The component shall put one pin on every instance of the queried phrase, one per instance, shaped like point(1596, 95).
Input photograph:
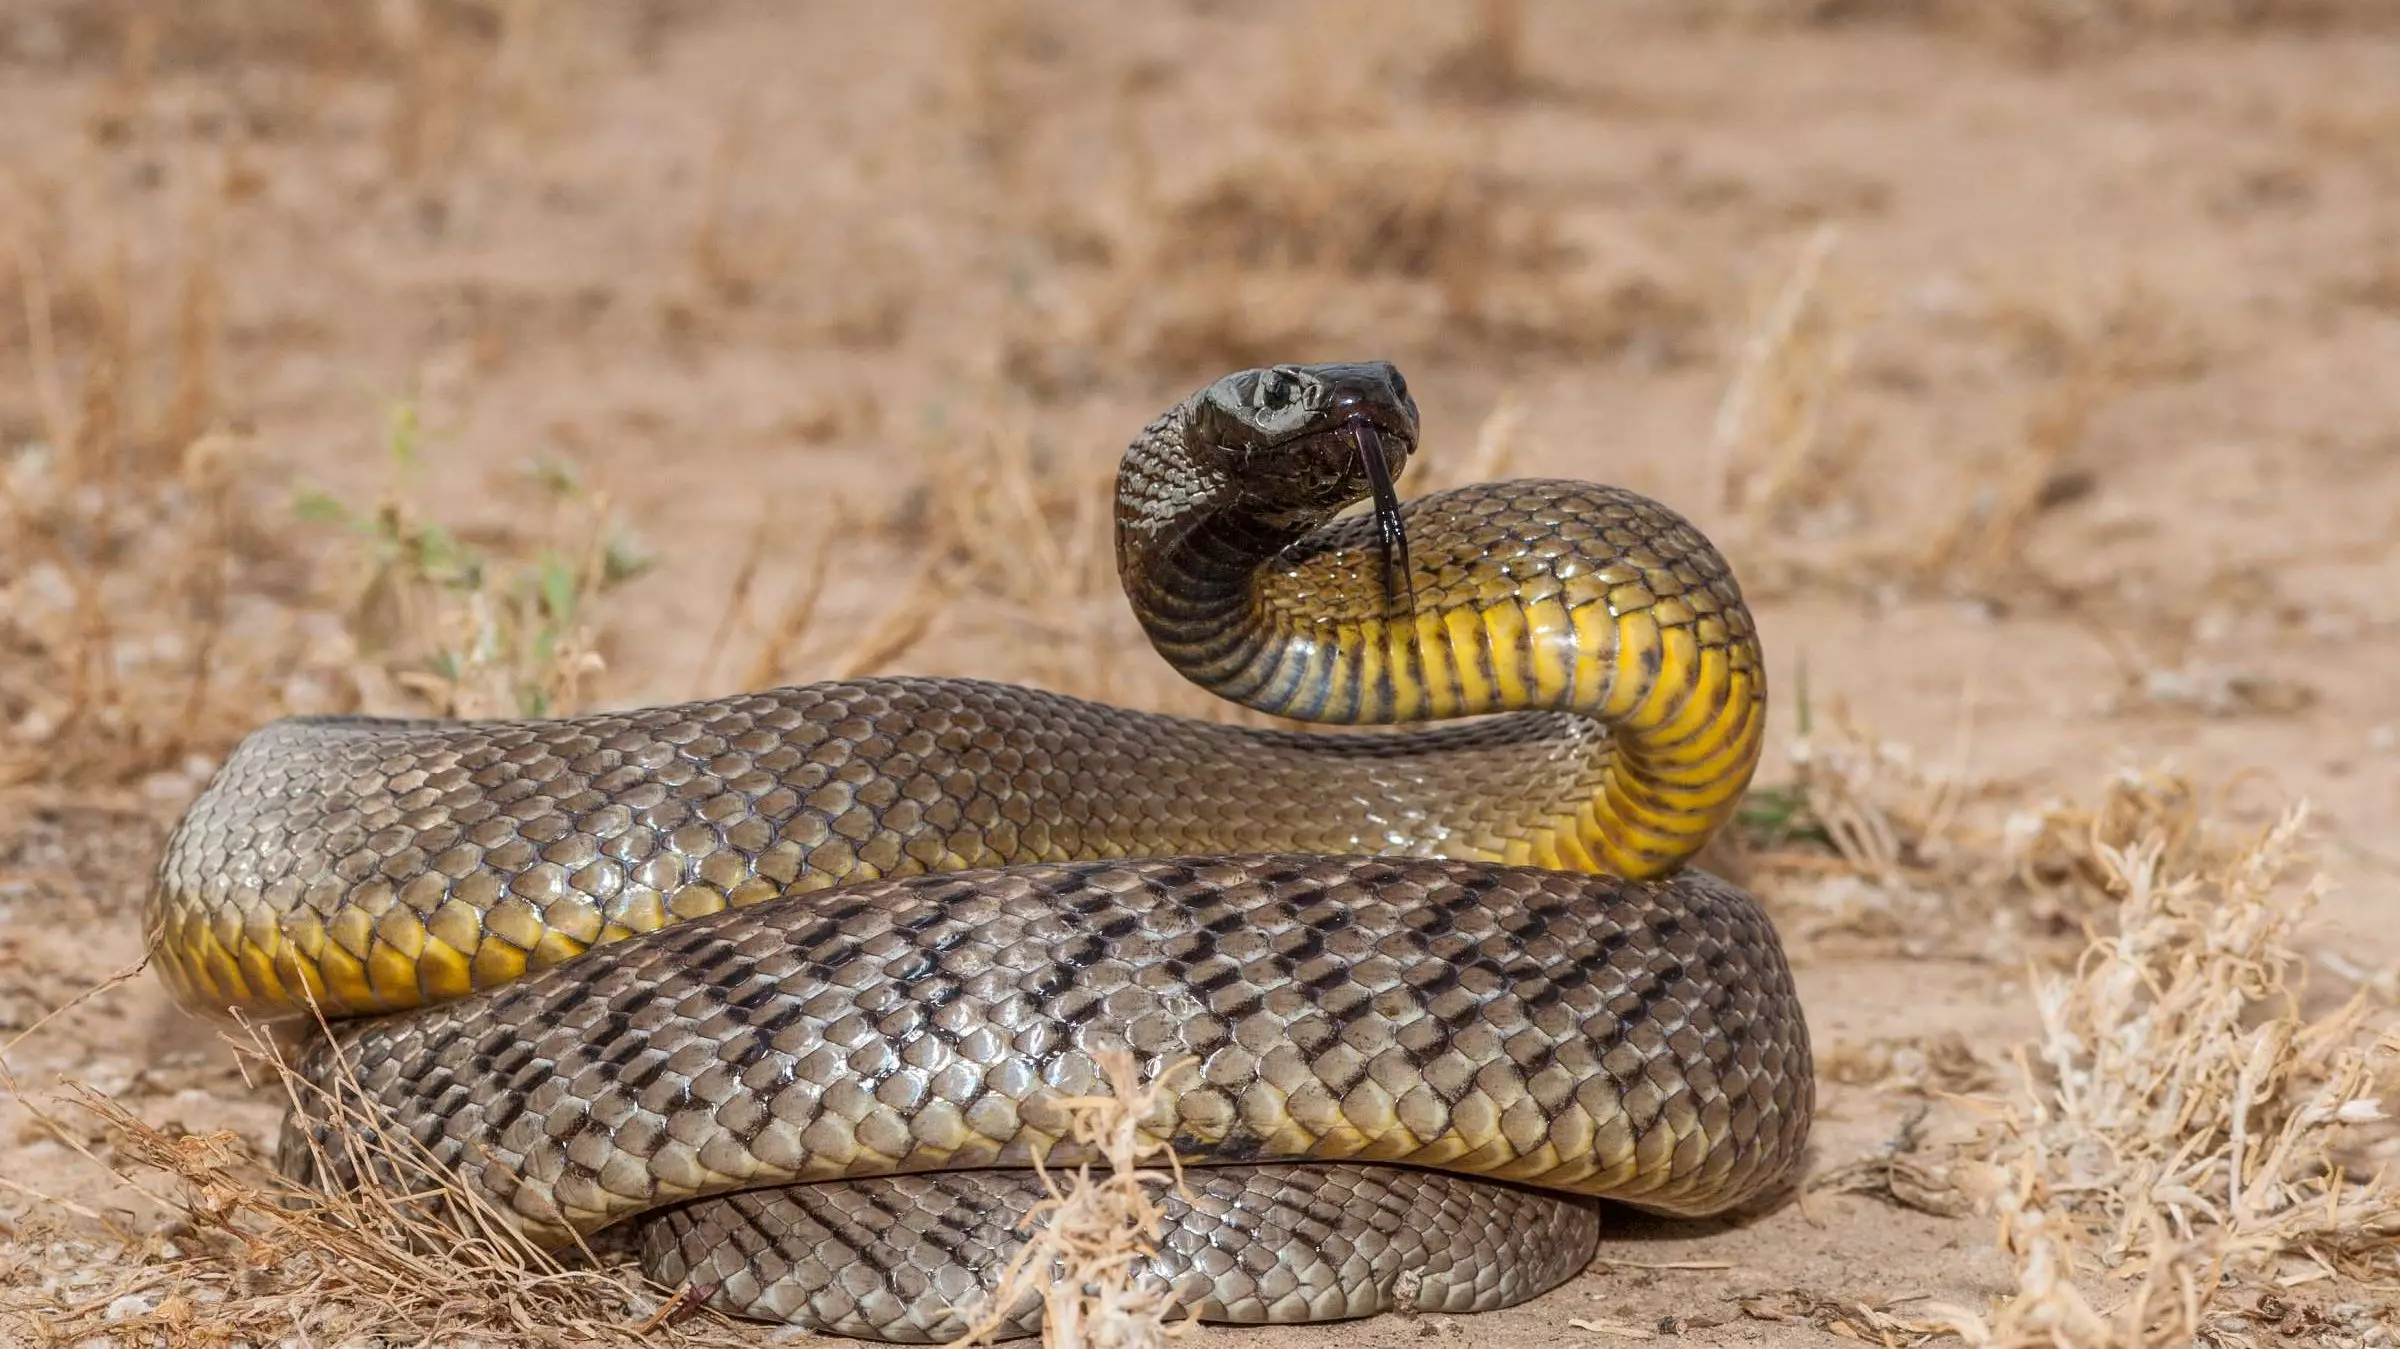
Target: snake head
point(1300, 442)
point(1267, 456)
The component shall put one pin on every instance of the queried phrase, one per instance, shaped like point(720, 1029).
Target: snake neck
point(1528, 596)
point(1190, 547)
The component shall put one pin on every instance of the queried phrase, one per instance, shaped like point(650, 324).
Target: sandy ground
point(2104, 465)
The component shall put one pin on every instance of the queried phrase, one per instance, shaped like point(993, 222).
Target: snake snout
point(1369, 393)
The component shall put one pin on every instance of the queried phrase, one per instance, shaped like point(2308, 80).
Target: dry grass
point(2085, 353)
point(2193, 1139)
point(153, 601)
point(1769, 432)
point(1782, 482)
point(1871, 840)
point(113, 676)
point(116, 677)
point(254, 1258)
point(1089, 1239)
point(1796, 486)
point(1019, 528)
point(2188, 1128)
point(1867, 843)
point(394, 1250)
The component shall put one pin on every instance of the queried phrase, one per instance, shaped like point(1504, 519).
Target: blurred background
point(2033, 360)
point(440, 353)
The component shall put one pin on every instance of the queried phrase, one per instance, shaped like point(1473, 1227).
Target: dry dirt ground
point(2033, 362)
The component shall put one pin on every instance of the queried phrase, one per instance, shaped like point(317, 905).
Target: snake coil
point(788, 980)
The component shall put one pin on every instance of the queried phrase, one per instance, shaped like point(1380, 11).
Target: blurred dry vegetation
point(393, 357)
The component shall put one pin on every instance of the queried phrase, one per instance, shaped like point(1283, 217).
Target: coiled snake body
point(790, 978)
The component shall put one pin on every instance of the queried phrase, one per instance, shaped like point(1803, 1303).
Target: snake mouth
point(1345, 417)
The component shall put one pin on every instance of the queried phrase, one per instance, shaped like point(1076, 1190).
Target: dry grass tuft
point(2057, 846)
point(1090, 1237)
point(1867, 842)
point(1872, 841)
point(140, 592)
point(1778, 464)
point(255, 1258)
point(2186, 1125)
point(2191, 1137)
point(155, 604)
point(1023, 527)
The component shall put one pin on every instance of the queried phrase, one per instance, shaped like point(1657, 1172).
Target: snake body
point(789, 979)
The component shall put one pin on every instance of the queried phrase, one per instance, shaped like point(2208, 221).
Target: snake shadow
point(1622, 1224)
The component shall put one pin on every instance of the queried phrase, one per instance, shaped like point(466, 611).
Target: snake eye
point(1276, 392)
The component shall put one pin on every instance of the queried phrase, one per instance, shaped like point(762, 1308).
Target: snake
point(790, 987)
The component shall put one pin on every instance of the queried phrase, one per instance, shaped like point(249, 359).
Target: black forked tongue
point(1399, 578)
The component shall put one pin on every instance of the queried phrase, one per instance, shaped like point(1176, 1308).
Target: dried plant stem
point(2180, 1118)
point(1090, 1237)
point(1778, 391)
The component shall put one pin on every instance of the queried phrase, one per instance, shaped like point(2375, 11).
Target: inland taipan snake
point(790, 979)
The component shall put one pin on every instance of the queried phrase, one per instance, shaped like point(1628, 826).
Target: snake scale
point(787, 980)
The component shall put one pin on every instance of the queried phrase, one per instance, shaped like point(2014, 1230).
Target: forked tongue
point(1399, 578)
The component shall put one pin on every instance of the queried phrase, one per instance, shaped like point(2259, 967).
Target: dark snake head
point(1302, 442)
point(1289, 436)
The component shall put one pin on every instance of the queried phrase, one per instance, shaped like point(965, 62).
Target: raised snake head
point(1266, 456)
point(1297, 443)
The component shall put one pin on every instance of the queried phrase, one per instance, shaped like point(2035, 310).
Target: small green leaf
point(405, 435)
point(558, 586)
point(1768, 806)
point(323, 508)
point(1781, 815)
